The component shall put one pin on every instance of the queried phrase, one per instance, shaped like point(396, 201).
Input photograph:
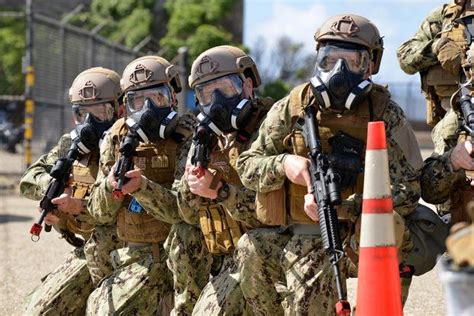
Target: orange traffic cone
point(378, 286)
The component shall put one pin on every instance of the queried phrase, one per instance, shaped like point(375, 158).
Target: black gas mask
point(88, 133)
point(224, 106)
point(338, 82)
point(92, 120)
point(150, 121)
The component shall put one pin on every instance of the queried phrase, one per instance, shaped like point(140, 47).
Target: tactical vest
point(462, 195)
point(84, 172)
point(354, 124)
point(221, 232)
point(438, 84)
point(157, 161)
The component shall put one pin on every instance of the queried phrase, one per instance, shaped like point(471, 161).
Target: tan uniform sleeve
point(416, 54)
point(405, 160)
point(102, 207)
point(36, 178)
point(261, 167)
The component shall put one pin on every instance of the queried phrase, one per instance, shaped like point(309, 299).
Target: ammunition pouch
point(346, 158)
point(271, 207)
point(221, 232)
point(428, 234)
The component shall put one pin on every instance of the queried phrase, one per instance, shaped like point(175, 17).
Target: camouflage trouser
point(296, 264)
point(65, 290)
point(222, 295)
point(97, 251)
point(190, 263)
point(136, 286)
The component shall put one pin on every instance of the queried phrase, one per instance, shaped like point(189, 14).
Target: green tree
point(124, 21)
point(12, 46)
point(276, 89)
point(196, 24)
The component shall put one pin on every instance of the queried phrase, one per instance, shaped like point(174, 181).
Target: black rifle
point(60, 177)
point(201, 142)
point(326, 192)
point(125, 163)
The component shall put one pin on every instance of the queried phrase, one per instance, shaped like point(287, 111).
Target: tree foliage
point(12, 46)
point(196, 24)
point(124, 21)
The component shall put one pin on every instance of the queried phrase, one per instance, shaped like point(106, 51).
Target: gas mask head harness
point(223, 105)
point(339, 82)
point(150, 112)
point(91, 122)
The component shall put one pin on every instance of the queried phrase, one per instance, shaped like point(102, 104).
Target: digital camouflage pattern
point(417, 54)
point(223, 295)
point(155, 199)
point(64, 291)
point(135, 287)
point(298, 260)
point(137, 281)
point(438, 180)
point(190, 264)
point(97, 250)
point(297, 263)
point(74, 272)
point(186, 249)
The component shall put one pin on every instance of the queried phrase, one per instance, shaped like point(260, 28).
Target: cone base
point(378, 288)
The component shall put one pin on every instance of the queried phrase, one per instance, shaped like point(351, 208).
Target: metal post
point(183, 74)
point(29, 84)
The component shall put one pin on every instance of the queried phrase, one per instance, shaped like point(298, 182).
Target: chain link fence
point(60, 52)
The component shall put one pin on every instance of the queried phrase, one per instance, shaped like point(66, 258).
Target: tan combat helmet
point(95, 85)
point(220, 61)
point(150, 71)
point(353, 29)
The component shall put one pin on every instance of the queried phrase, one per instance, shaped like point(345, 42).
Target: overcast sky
point(397, 21)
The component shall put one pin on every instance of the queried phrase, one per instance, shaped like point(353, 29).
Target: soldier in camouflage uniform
point(447, 177)
point(284, 268)
point(94, 95)
point(148, 205)
point(438, 51)
point(213, 202)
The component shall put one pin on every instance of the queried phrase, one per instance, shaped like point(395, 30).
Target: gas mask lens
point(160, 97)
point(229, 86)
point(102, 112)
point(357, 60)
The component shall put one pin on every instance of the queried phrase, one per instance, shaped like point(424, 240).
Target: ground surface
point(23, 263)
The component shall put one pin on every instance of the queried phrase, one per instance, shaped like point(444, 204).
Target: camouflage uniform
point(190, 259)
point(416, 54)
point(442, 49)
point(279, 267)
point(438, 180)
point(140, 276)
point(65, 290)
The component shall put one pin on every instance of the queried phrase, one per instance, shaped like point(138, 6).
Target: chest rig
point(353, 124)
point(437, 83)
point(221, 232)
point(157, 161)
point(84, 172)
